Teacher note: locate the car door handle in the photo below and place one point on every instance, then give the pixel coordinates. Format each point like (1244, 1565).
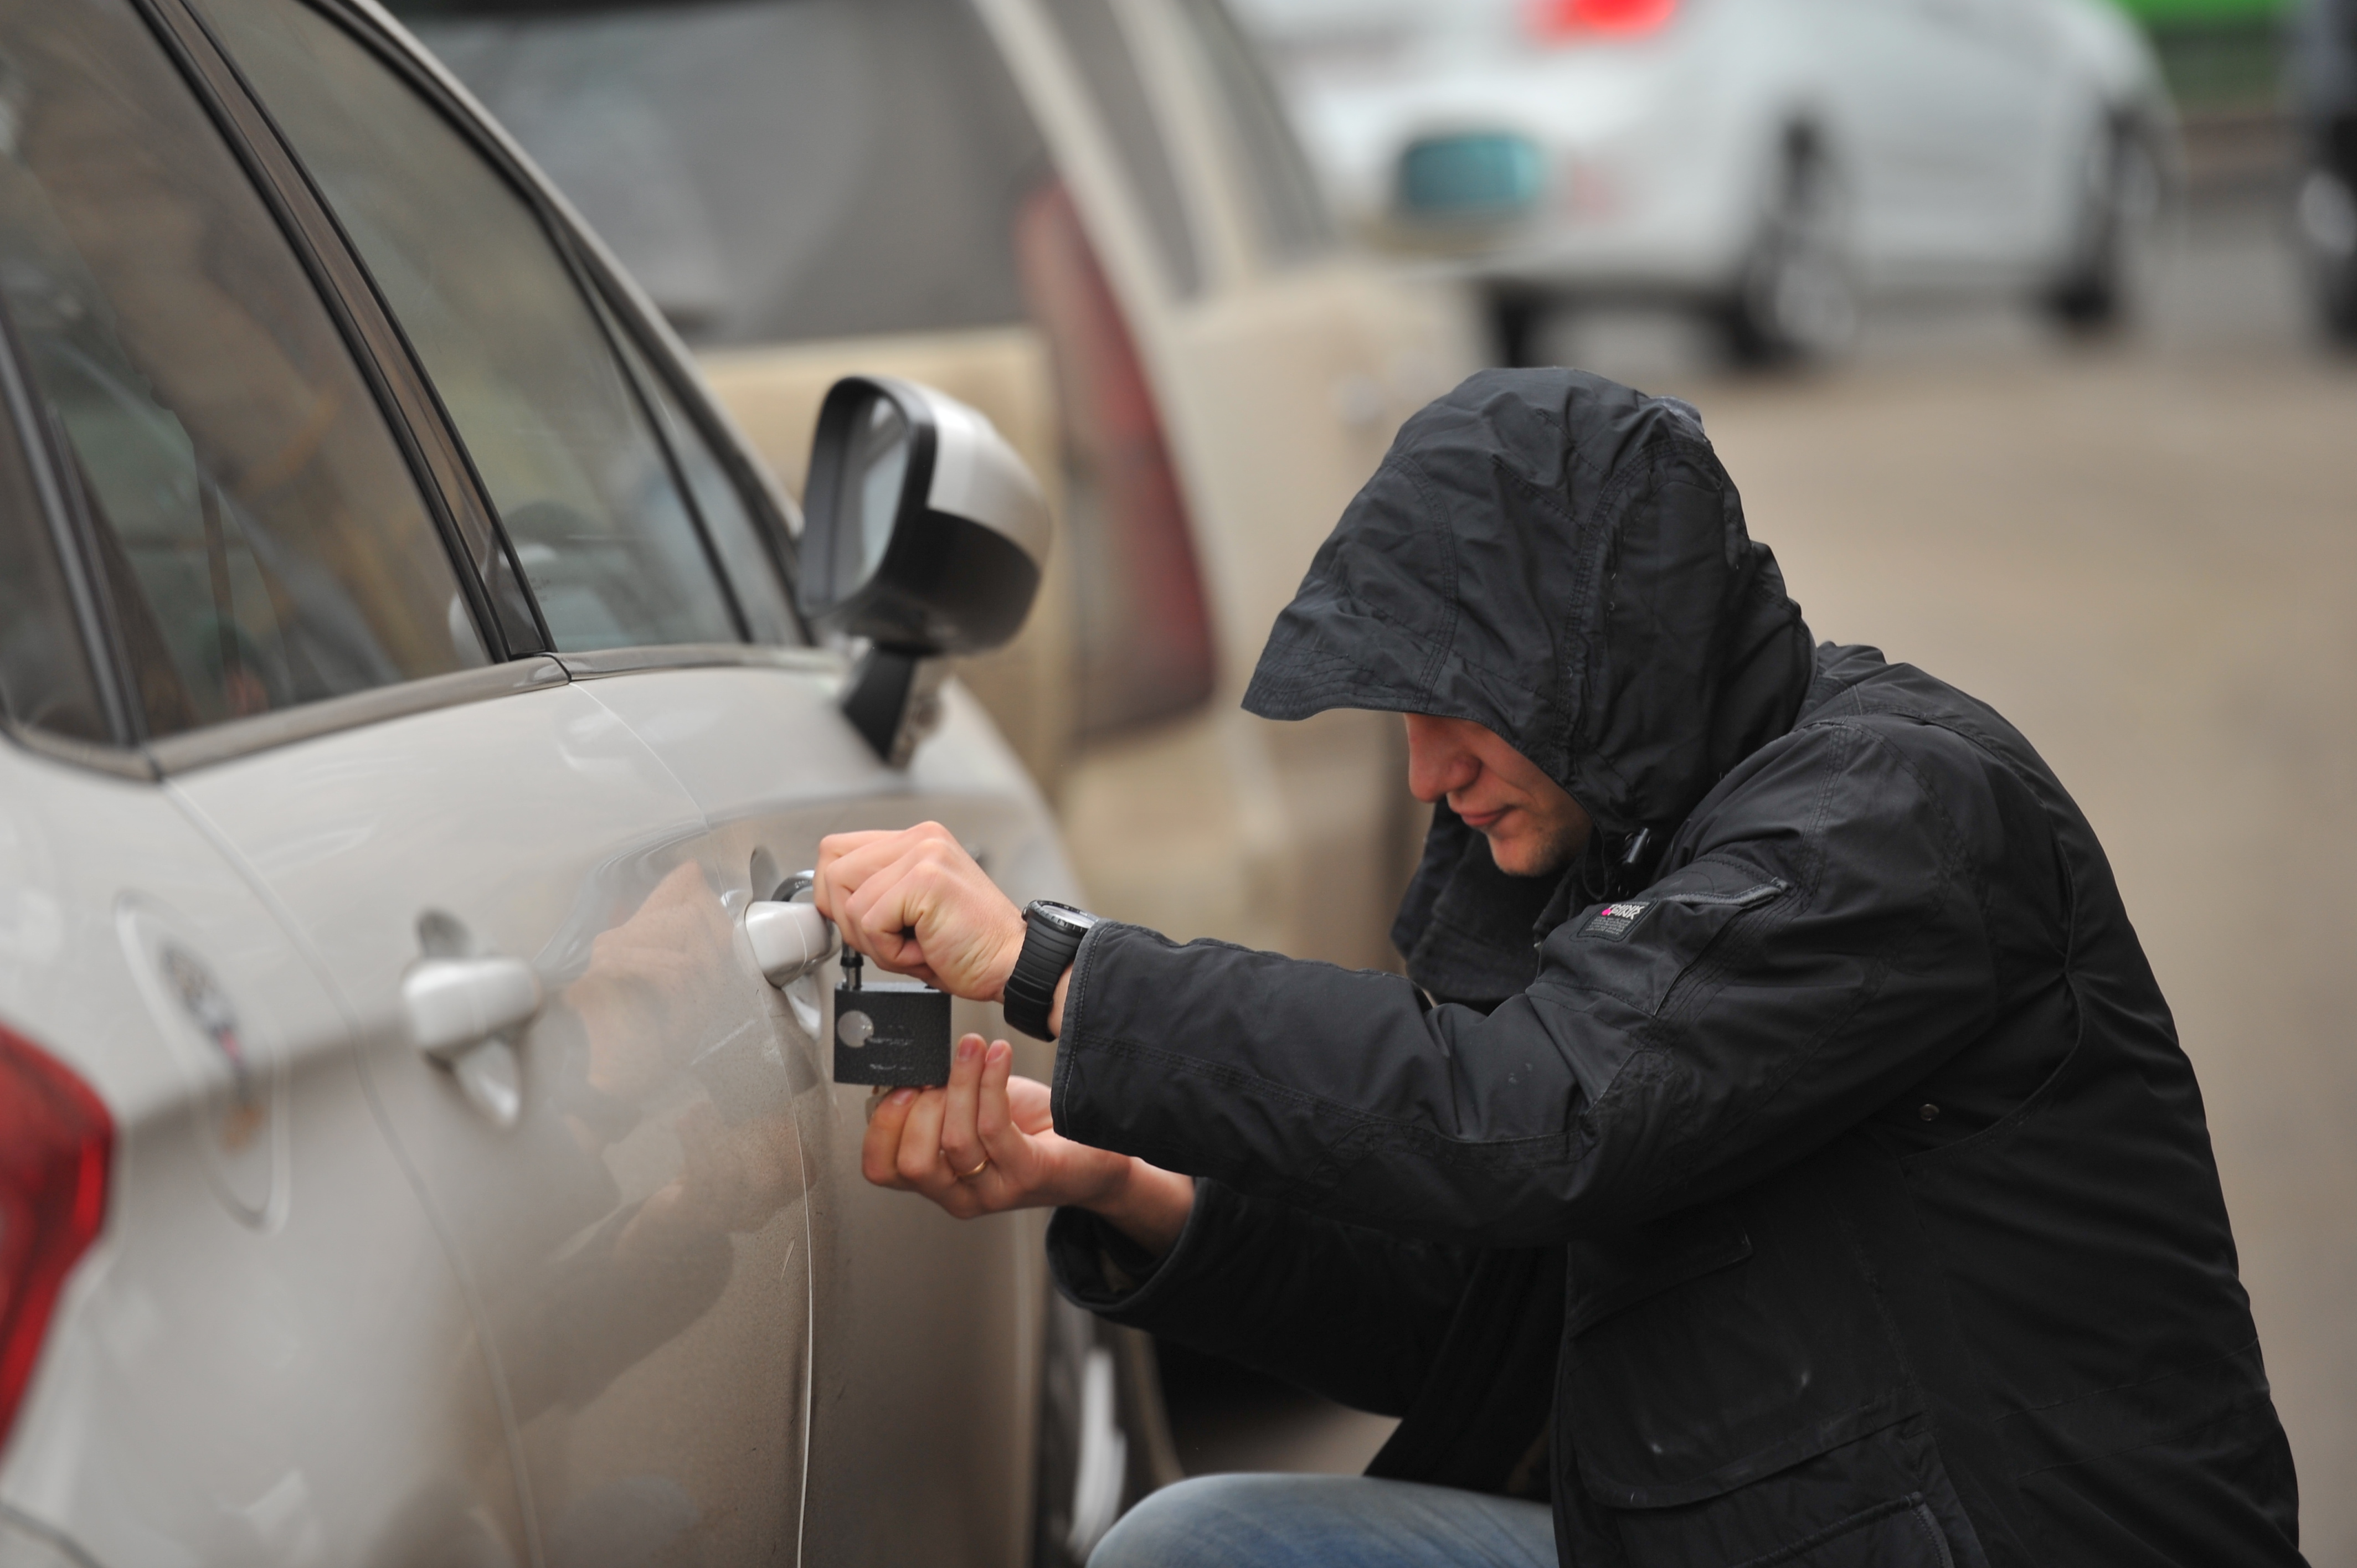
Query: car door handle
(789, 941)
(456, 1004)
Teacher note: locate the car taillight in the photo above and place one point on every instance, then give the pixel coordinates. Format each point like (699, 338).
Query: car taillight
(1561, 21)
(56, 1140)
(1145, 630)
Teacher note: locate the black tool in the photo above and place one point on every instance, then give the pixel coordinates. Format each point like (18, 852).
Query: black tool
(895, 1033)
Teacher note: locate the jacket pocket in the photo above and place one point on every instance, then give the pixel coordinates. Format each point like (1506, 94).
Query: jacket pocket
(1730, 1389)
(1638, 949)
(1881, 1501)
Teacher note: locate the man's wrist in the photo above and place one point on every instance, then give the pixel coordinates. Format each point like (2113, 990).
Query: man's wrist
(1147, 1204)
(1010, 948)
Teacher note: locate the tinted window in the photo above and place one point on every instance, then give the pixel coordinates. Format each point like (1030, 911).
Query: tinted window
(770, 169)
(1100, 48)
(1289, 206)
(264, 543)
(45, 672)
(562, 436)
(752, 572)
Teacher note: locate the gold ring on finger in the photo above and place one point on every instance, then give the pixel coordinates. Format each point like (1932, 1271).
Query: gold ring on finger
(977, 1170)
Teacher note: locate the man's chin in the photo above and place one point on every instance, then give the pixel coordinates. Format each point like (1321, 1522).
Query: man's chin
(1527, 854)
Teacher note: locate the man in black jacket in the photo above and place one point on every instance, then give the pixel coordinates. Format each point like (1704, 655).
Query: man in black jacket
(1803, 1169)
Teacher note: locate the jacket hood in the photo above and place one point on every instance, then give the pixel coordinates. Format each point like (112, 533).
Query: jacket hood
(1564, 560)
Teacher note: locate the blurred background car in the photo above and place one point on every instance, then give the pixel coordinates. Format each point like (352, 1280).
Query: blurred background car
(1771, 162)
(1089, 220)
(408, 1155)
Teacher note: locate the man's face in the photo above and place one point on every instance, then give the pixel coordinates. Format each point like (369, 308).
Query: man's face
(1532, 825)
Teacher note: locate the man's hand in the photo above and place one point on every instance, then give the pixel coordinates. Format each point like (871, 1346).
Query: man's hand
(986, 1144)
(916, 903)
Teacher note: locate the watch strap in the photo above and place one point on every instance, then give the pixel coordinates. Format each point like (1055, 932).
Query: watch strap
(1031, 994)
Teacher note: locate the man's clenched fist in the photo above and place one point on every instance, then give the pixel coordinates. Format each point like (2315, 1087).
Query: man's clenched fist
(916, 903)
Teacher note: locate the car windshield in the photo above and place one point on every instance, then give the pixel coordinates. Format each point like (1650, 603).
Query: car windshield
(768, 169)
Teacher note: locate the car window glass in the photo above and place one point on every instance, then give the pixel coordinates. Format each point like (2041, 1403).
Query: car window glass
(761, 591)
(1288, 208)
(1092, 32)
(46, 679)
(265, 544)
(769, 170)
(558, 431)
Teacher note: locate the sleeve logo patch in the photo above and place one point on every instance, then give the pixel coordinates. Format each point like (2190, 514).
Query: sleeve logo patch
(1613, 922)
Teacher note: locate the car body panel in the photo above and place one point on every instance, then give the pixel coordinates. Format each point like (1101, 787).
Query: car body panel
(176, 1412)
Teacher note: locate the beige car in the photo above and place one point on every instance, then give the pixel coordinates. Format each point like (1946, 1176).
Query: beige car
(1089, 220)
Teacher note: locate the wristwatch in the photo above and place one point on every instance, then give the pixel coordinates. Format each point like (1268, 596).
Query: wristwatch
(1052, 935)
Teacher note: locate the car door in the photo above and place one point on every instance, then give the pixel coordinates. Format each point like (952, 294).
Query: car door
(1943, 102)
(208, 531)
(2003, 80)
(607, 1123)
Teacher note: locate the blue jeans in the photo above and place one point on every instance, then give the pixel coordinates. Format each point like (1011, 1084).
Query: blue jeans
(1326, 1521)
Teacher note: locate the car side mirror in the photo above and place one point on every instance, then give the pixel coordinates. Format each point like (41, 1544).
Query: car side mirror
(923, 532)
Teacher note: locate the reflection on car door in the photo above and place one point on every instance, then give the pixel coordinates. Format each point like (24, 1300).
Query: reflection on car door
(631, 1224)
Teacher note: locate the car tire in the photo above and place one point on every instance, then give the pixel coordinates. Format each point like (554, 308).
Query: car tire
(1105, 1440)
(1518, 322)
(1796, 297)
(2324, 219)
(2119, 212)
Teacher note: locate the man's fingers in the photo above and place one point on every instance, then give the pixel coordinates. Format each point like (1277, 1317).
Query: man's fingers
(919, 1162)
(1003, 1143)
(879, 1152)
(960, 1145)
(1030, 1103)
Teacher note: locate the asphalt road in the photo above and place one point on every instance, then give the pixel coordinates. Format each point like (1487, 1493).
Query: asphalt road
(2145, 554)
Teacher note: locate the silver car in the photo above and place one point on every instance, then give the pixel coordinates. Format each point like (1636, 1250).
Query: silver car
(409, 1151)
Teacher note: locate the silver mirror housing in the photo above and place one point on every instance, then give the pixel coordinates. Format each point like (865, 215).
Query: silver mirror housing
(924, 532)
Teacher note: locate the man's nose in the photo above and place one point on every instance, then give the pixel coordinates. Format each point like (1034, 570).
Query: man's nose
(1435, 771)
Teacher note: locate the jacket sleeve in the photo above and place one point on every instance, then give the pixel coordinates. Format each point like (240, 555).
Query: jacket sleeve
(1341, 1310)
(1819, 946)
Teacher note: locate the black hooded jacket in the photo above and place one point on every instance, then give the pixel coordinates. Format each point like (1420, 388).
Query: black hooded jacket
(1810, 1176)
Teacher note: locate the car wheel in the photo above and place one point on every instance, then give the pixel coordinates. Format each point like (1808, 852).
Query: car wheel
(2325, 217)
(1104, 1442)
(1517, 319)
(2111, 250)
(1795, 299)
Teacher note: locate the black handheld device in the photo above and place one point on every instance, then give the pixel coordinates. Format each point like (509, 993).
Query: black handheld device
(895, 1033)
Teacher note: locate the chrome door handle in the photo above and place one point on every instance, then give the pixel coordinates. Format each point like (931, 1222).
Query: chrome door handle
(789, 941)
(456, 1004)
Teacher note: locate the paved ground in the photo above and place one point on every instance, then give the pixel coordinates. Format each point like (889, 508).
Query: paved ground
(2145, 555)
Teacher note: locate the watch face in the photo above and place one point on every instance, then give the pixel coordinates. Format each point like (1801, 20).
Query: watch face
(1061, 916)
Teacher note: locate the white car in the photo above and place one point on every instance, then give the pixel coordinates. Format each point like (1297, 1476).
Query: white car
(416, 1141)
(1770, 161)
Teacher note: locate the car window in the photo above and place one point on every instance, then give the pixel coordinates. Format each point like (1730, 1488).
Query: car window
(264, 543)
(761, 591)
(1100, 48)
(769, 170)
(1288, 208)
(45, 679)
(562, 436)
